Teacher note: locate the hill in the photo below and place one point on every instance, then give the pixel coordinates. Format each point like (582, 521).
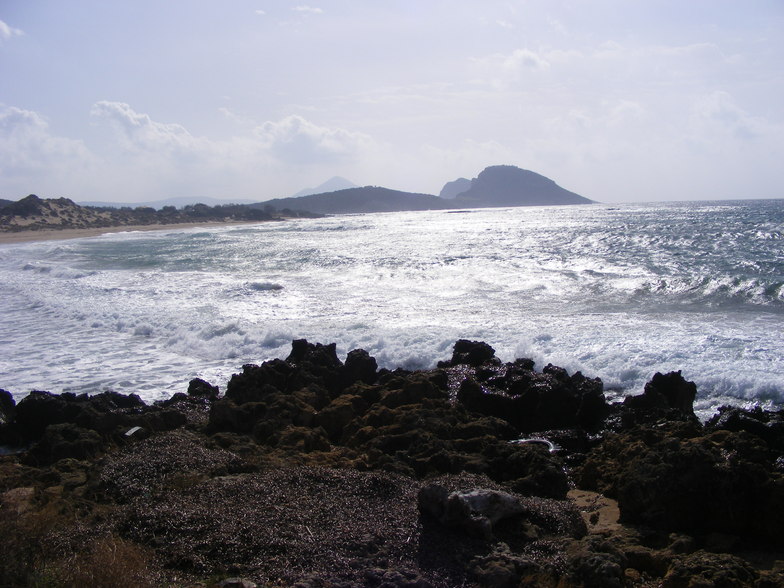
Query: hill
(358, 200)
(34, 213)
(331, 185)
(507, 185)
(496, 186)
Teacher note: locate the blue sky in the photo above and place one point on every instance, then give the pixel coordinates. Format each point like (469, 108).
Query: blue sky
(618, 100)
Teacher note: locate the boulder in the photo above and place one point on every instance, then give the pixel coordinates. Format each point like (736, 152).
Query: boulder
(359, 367)
(665, 396)
(38, 410)
(198, 388)
(64, 440)
(474, 511)
(7, 407)
(767, 425)
(709, 569)
(672, 478)
(534, 401)
(473, 353)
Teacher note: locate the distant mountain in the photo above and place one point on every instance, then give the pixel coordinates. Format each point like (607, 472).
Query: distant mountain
(178, 201)
(507, 185)
(496, 186)
(356, 200)
(455, 188)
(331, 185)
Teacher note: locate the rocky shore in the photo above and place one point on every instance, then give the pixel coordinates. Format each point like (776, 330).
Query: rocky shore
(317, 473)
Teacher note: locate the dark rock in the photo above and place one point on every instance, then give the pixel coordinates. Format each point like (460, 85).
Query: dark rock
(709, 569)
(255, 382)
(474, 511)
(315, 354)
(473, 353)
(339, 413)
(767, 425)
(664, 395)
(503, 568)
(599, 570)
(671, 479)
(415, 390)
(64, 440)
(38, 410)
(226, 415)
(198, 388)
(360, 367)
(539, 401)
(109, 400)
(7, 407)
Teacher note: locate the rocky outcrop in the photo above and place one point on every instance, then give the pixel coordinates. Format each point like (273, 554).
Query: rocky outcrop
(678, 478)
(312, 471)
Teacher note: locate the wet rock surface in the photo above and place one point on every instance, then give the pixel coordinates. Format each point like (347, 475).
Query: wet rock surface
(313, 472)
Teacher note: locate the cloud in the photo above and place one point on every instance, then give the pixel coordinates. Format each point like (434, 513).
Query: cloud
(138, 131)
(296, 140)
(717, 112)
(32, 158)
(308, 10)
(6, 32)
(502, 69)
(260, 12)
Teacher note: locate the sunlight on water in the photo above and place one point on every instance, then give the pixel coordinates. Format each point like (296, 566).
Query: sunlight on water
(616, 292)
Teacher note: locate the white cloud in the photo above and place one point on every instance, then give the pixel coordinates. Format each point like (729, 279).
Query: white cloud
(308, 10)
(296, 140)
(6, 32)
(718, 113)
(138, 131)
(33, 159)
(502, 70)
(260, 12)
(525, 58)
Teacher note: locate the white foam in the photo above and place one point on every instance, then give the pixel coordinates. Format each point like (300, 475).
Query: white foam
(591, 289)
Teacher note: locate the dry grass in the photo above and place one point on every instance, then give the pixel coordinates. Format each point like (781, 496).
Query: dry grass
(110, 562)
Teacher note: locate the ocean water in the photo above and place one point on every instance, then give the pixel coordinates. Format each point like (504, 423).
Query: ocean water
(618, 292)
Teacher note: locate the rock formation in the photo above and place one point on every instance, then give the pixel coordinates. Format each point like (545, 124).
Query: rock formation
(316, 472)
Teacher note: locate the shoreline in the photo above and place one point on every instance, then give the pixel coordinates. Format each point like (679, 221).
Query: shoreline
(9, 238)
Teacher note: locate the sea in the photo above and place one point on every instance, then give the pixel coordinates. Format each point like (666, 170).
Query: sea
(618, 292)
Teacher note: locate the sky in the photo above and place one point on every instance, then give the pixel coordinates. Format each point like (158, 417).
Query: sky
(617, 100)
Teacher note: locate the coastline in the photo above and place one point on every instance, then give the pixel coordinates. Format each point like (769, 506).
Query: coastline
(28, 236)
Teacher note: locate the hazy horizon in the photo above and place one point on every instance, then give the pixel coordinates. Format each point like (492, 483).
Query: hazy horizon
(615, 101)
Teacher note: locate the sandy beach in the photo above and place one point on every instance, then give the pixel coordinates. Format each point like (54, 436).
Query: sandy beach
(62, 234)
